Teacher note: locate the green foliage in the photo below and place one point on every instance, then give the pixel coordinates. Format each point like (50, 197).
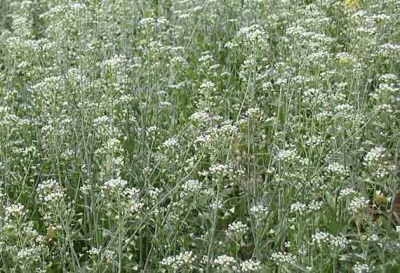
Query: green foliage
(199, 136)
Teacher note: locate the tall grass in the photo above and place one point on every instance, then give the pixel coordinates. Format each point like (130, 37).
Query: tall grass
(199, 136)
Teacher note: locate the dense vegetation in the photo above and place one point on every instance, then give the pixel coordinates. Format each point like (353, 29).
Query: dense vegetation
(199, 136)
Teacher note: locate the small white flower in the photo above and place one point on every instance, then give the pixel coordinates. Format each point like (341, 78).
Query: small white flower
(15, 209)
(30, 254)
(314, 206)
(346, 192)
(207, 86)
(287, 155)
(337, 168)
(205, 58)
(50, 191)
(182, 260)
(217, 204)
(339, 242)
(230, 45)
(321, 238)
(94, 251)
(298, 208)
(313, 141)
(114, 183)
(361, 268)
(250, 266)
(225, 262)
(252, 33)
(283, 257)
(259, 211)
(171, 143)
(373, 238)
(237, 228)
(192, 186)
(358, 203)
(219, 169)
(200, 116)
(374, 155)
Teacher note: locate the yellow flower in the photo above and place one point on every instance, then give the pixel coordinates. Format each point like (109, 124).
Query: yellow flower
(51, 232)
(380, 198)
(352, 4)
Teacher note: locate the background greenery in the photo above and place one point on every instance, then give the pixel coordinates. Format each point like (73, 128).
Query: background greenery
(199, 136)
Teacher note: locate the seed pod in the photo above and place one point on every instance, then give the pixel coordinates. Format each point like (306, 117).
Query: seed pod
(51, 232)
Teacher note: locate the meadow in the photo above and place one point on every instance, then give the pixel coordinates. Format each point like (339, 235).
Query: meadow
(199, 136)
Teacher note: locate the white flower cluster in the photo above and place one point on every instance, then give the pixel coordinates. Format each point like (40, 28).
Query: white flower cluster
(388, 49)
(155, 193)
(315, 206)
(283, 257)
(373, 238)
(101, 121)
(64, 9)
(114, 184)
(344, 110)
(230, 45)
(313, 141)
(191, 186)
(254, 113)
(164, 104)
(339, 242)
(203, 139)
(225, 262)
(113, 144)
(217, 204)
(30, 254)
(133, 202)
(388, 78)
(219, 170)
(94, 251)
(237, 228)
(252, 33)
(15, 210)
(344, 57)
(227, 129)
(385, 88)
(346, 192)
(287, 155)
(300, 208)
(145, 22)
(250, 266)
(108, 255)
(322, 238)
(116, 62)
(182, 260)
(178, 60)
(207, 86)
(374, 155)
(361, 268)
(259, 211)
(206, 57)
(200, 116)
(337, 168)
(50, 191)
(152, 130)
(171, 143)
(313, 96)
(358, 203)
